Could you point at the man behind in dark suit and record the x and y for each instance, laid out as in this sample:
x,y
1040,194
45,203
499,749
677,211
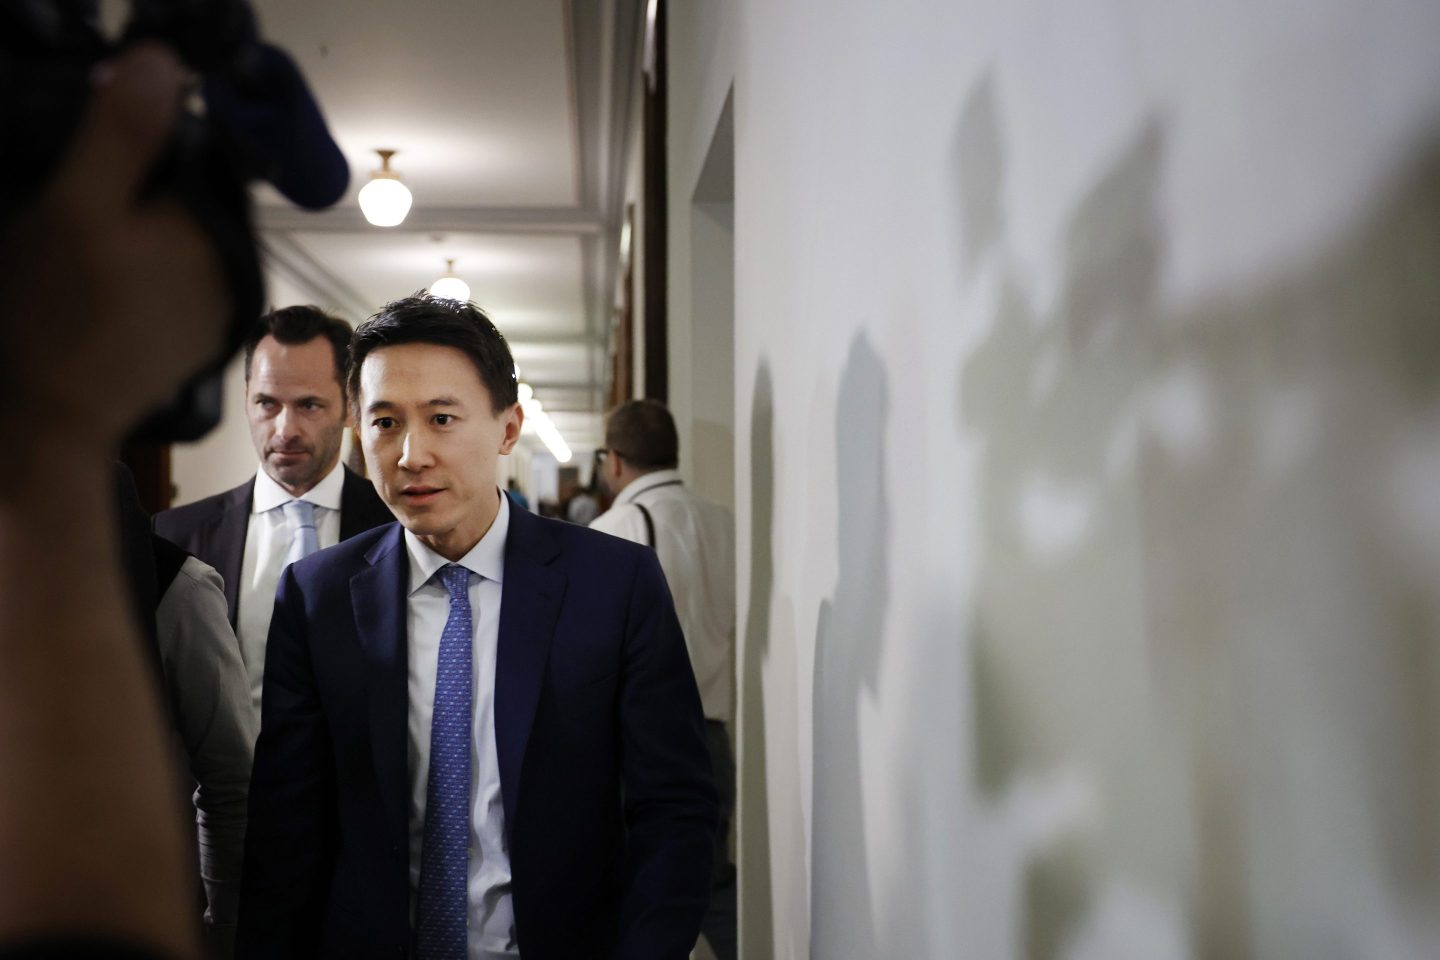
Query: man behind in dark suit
x,y
302,498
481,735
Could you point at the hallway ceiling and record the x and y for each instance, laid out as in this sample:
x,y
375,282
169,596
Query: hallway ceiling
x,y
508,119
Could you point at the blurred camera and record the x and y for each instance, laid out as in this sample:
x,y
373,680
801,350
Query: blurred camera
x,y
252,118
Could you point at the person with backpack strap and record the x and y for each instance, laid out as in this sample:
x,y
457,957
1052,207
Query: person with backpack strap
x,y
694,540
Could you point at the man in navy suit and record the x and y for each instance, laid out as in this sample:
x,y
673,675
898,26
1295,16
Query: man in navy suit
x,y
481,735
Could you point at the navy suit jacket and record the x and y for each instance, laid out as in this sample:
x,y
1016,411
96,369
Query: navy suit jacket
x,y
610,808
214,528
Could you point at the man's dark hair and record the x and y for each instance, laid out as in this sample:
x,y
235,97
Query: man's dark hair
x,y
643,433
293,326
448,323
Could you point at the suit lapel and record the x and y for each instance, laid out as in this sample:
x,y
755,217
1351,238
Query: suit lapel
x,y
361,508
529,607
378,596
229,534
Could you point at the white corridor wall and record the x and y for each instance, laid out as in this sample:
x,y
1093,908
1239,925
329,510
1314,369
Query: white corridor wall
x,y
1087,375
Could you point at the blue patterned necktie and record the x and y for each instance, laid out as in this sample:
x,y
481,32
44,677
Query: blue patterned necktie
x,y
444,854
300,518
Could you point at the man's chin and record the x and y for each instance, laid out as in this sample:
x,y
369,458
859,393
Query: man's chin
x,y
419,521
292,476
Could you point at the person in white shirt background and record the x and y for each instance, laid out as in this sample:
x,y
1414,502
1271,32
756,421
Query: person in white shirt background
x,y
695,542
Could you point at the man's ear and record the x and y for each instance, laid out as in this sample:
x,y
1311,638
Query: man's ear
x,y
514,418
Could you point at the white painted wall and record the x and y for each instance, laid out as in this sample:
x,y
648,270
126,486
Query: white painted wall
x,y
1088,403
701,307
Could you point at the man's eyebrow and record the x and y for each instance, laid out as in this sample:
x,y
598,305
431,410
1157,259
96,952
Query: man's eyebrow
x,y
379,405
308,398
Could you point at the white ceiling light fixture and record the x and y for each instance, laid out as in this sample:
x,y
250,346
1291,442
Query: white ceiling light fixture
x,y
385,200
450,287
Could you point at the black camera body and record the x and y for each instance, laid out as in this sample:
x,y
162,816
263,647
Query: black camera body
x,y
254,119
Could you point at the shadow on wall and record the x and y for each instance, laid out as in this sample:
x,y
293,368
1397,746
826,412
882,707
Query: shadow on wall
x,y
847,655
1057,597
1206,684
757,934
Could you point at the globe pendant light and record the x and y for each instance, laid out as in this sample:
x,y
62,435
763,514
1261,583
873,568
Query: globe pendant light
x,y
450,287
385,200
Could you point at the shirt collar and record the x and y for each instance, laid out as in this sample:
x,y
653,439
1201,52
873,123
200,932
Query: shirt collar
x,y
326,493
486,558
647,482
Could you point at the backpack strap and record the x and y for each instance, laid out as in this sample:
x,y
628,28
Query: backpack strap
x,y
649,525
649,520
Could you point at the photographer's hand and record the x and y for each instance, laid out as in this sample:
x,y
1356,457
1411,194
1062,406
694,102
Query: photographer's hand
x,y
105,306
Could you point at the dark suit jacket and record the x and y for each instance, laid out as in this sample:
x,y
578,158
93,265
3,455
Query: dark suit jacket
x,y
214,529
610,808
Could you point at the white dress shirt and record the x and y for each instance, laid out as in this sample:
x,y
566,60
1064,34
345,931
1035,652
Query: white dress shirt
x,y
267,541
491,921
695,543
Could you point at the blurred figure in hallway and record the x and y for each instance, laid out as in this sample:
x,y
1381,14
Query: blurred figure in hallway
x,y
584,504
516,494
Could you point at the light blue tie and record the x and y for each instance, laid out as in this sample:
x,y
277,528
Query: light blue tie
x,y
445,853
300,518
